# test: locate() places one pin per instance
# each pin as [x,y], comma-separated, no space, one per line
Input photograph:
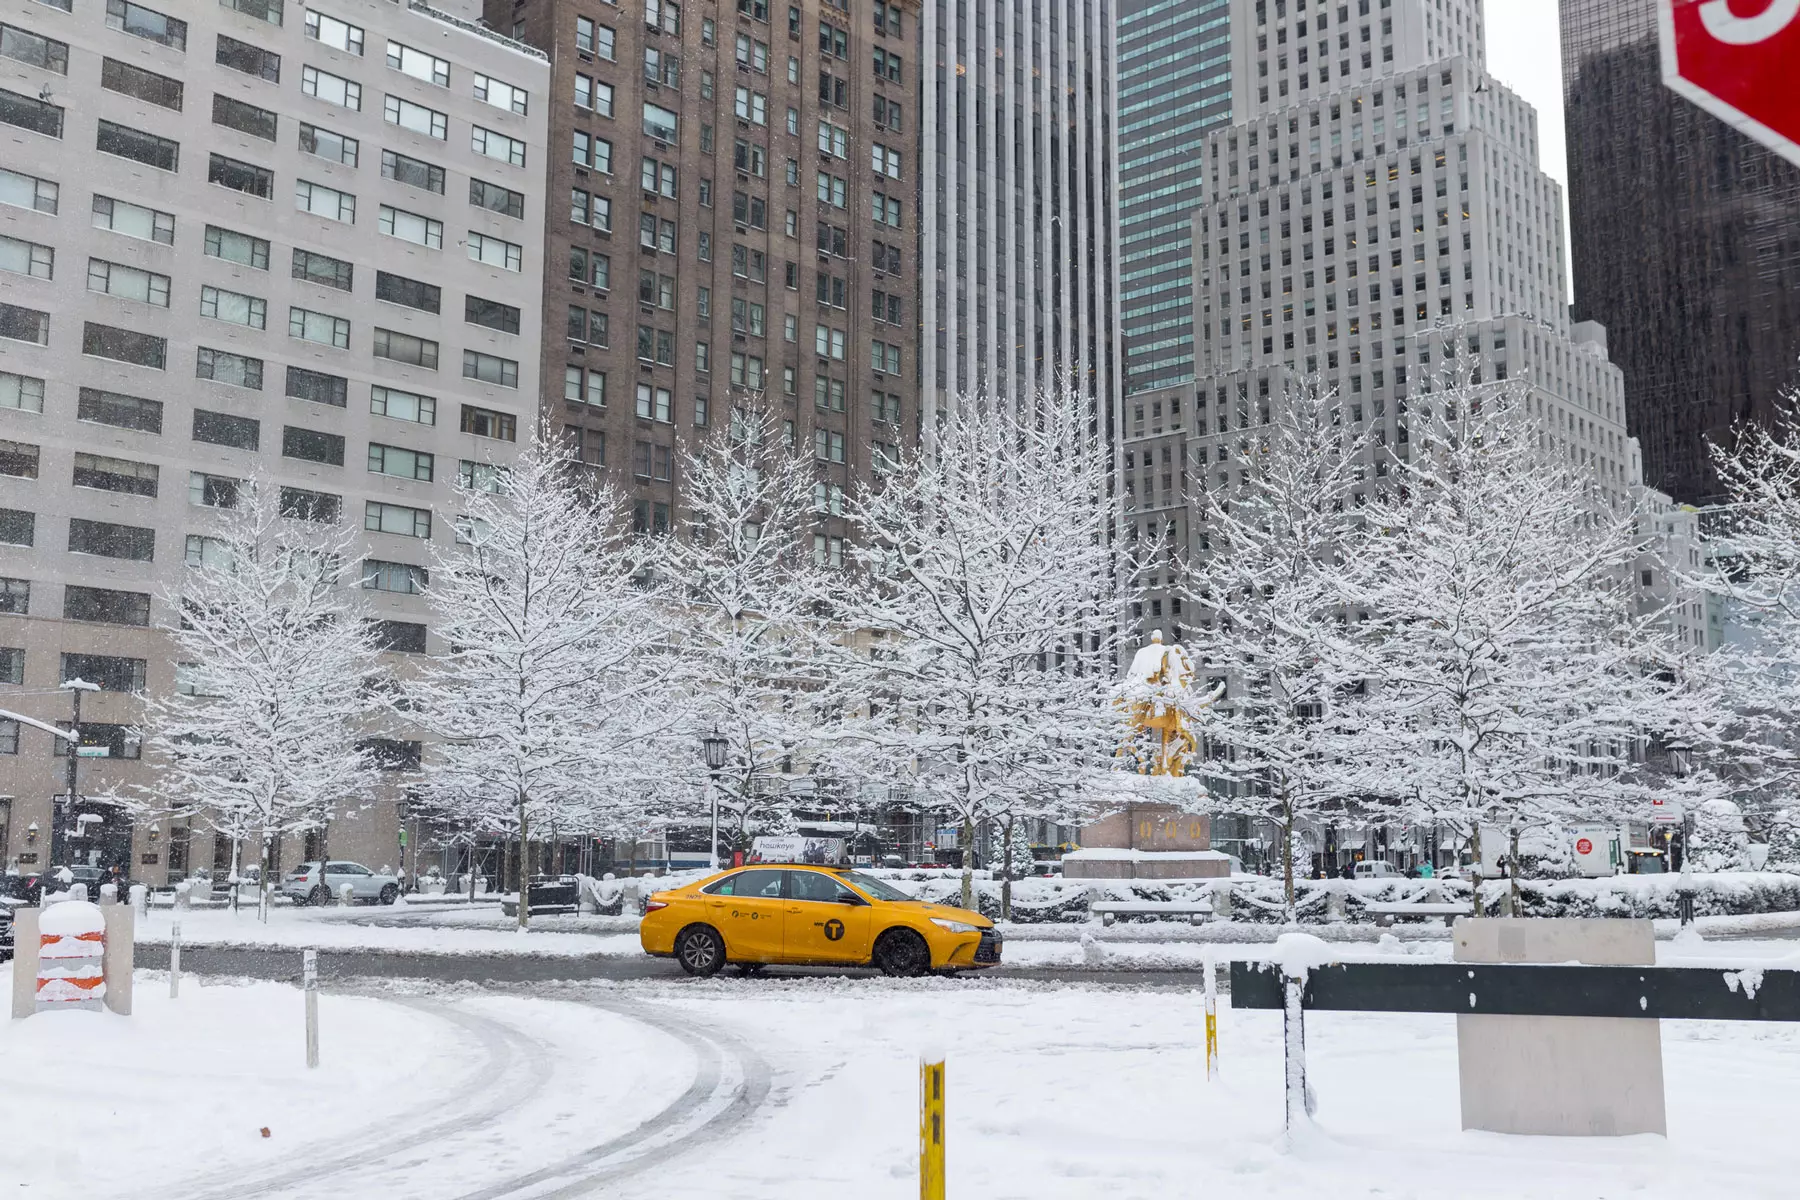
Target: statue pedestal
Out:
[1147,841]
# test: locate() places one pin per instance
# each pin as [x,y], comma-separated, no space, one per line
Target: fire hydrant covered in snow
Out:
[71,969]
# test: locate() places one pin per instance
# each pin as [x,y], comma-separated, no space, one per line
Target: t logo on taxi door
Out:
[834,929]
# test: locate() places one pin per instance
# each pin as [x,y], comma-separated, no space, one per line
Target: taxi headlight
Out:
[955,926]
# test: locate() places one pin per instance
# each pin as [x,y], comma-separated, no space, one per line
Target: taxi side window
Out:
[813,885]
[764,884]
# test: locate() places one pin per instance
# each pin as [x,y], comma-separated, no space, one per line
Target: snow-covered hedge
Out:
[1259,901]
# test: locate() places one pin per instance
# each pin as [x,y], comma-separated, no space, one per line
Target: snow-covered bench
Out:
[1109,911]
[1386,914]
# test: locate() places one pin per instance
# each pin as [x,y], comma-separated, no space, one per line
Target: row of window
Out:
[148,350]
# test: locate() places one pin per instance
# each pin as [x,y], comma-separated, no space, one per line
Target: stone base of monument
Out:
[1574,1076]
[1103,863]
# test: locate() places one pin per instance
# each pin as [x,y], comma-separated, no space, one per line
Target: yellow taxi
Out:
[815,916]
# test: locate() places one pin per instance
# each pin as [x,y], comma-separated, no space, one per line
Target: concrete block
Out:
[25,961]
[121,934]
[1571,1076]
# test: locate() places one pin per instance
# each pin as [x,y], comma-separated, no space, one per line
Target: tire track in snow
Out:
[731,1083]
[515,1062]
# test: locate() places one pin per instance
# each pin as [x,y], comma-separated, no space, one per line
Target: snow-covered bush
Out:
[1784,841]
[1720,843]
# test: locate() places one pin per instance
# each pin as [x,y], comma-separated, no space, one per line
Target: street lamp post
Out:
[713,747]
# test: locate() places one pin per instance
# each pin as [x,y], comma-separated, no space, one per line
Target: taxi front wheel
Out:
[902,952]
[700,951]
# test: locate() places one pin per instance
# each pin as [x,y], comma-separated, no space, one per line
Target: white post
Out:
[309,975]
[345,895]
[1293,1026]
[175,959]
[140,901]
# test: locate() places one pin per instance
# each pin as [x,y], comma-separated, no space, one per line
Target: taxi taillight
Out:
[651,906]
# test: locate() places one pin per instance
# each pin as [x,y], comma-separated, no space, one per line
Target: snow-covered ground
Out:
[174,1101]
[1053,1092]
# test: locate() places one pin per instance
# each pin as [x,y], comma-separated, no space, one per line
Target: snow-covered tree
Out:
[1269,586]
[1016,855]
[1720,843]
[555,674]
[1758,552]
[263,735]
[989,611]
[1511,680]
[742,563]
[1784,841]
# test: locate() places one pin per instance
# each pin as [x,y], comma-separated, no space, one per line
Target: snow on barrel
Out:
[72,946]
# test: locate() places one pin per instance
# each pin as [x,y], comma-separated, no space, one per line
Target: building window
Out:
[403,578]
[317,387]
[485,422]
[148,86]
[24,393]
[222,366]
[239,248]
[124,345]
[399,519]
[312,445]
[399,461]
[411,227]
[105,671]
[330,146]
[146,23]
[110,540]
[105,606]
[495,198]
[397,405]
[115,408]
[298,504]
[223,429]
[323,328]
[325,270]
[242,177]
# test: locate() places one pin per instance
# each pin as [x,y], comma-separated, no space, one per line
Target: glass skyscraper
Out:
[1174,85]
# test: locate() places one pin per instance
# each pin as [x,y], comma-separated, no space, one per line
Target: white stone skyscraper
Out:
[1019,230]
[1375,204]
[241,241]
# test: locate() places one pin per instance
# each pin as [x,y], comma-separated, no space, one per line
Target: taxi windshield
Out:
[873,886]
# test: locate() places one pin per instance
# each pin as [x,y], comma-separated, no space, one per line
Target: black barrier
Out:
[1531,990]
[1719,993]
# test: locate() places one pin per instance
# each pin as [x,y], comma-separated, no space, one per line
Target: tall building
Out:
[741,185]
[242,239]
[1174,85]
[1020,224]
[1375,205]
[1686,245]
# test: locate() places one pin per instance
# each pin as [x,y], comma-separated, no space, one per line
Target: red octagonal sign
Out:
[1738,60]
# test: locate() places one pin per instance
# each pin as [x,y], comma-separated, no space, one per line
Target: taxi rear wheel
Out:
[902,952]
[700,951]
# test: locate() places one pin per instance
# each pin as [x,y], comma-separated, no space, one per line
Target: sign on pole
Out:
[1661,811]
[1737,59]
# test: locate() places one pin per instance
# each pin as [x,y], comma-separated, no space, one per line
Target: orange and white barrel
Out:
[71,952]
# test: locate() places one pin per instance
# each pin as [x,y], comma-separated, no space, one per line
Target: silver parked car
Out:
[305,885]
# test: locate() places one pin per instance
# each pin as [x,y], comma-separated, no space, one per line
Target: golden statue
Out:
[1153,696]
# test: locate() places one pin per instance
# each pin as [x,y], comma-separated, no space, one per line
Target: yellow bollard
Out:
[931,1127]
[1212,1019]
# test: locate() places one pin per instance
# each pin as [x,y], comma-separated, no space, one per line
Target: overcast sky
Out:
[1525,53]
